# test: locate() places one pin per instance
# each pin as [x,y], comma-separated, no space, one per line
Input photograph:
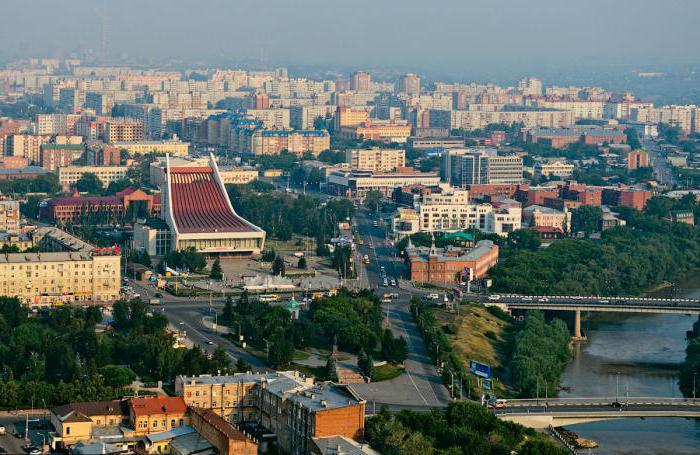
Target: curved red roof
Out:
[199,205]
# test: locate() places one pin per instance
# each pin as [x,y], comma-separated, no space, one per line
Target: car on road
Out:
[395,295]
[209,342]
[393,282]
[543,299]
[433,296]
[526,299]
[603,301]
[386,282]
[495,297]
[375,224]
[386,300]
[498,403]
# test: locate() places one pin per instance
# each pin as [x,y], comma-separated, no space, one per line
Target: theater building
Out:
[198,213]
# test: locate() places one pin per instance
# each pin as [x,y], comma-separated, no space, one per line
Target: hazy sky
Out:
[403,34]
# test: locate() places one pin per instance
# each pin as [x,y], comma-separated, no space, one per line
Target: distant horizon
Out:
[443,36]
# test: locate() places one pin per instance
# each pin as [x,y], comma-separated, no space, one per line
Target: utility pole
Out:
[617,387]
[694,374]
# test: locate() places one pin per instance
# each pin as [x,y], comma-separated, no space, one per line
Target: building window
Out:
[67,430]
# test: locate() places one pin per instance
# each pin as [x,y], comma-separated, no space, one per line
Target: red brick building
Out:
[451,264]
[109,209]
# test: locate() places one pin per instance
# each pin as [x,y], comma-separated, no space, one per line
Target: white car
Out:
[494,297]
[386,283]
[393,282]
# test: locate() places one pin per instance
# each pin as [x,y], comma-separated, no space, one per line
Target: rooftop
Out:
[157,405]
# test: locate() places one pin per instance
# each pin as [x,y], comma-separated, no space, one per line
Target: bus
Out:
[269,298]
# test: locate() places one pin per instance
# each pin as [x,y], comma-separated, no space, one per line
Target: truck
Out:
[365,259]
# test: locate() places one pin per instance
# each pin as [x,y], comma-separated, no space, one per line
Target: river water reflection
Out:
[636,354]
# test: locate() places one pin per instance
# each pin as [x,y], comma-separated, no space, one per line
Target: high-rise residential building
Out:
[410,83]
[462,167]
[376,159]
[70,100]
[347,117]
[304,117]
[100,103]
[54,156]
[530,86]
[637,159]
[360,81]
[123,130]
[26,145]
[259,101]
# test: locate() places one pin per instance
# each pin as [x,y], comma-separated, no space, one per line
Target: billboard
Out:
[480,369]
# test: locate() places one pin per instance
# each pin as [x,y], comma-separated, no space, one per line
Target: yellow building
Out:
[68,176]
[556,168]
[238,175]
[69,270]
[75,422]
[174,148]
[376,159]
[225,395]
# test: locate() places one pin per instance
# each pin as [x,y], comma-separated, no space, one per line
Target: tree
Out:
[278,266]
[302,263]
[373,199]
[587,219]
[89,183]
[227,315]
[633,138]
[280,349]
[216,272]
[331,372]
[268,255]
[117,376]
[393,349]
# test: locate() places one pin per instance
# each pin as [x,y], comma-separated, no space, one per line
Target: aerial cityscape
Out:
[312,228]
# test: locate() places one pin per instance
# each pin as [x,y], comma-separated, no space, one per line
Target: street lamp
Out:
[694,374]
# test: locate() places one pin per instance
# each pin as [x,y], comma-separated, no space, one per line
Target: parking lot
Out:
[13,442]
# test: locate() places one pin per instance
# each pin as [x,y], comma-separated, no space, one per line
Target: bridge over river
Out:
[587,303]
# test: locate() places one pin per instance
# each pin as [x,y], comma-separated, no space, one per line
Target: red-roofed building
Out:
[199,214]
[102,210]
[156,414]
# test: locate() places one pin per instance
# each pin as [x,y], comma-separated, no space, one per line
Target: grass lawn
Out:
[386,372]
[479,336]
[300,355]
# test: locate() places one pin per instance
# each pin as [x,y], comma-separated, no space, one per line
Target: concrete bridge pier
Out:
[577,327]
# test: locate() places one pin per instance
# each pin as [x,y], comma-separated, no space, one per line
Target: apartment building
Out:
[56,123]
[393,131]
[462,167]
[173,147]
[26,145]
[267,142]
[303,117]
[582,109]
[410,84]
[287,403]
[273,119]
[348,117]
[68,176]
[376,159]
[99,103]
[54,156]
[360,81]
[9,216]
[67,270]
[478,119]
[123,130]
[637,159]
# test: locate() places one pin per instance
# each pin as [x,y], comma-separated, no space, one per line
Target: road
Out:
[186,313]
[662,169]
[420,385]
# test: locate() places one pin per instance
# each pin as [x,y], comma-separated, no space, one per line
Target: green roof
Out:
[62,146]
[459,235]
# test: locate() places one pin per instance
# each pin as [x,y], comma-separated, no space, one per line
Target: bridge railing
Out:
[597,401]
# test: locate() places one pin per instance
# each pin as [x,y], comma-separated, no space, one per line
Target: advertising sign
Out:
[480,369]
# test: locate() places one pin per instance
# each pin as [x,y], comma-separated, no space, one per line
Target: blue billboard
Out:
[480,369]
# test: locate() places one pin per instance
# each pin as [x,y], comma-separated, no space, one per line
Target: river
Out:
[636,354]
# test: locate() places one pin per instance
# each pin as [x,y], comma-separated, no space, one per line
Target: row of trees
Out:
[59,357]
[540,354]
[463,428]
